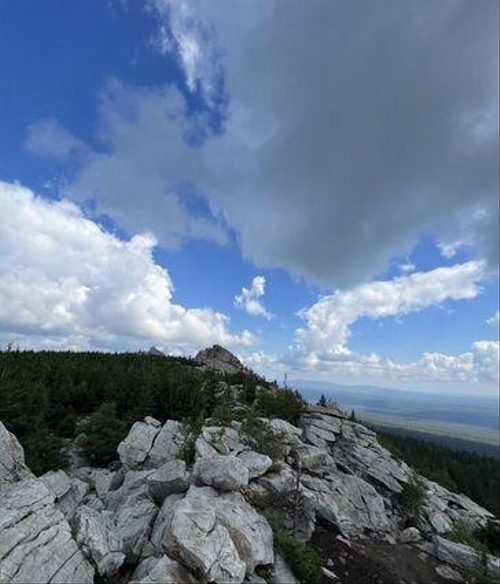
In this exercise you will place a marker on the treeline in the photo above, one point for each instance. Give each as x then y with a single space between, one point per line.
47 397
476 476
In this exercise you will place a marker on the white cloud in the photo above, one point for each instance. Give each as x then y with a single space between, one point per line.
47 138
182 33
495 319
321 348
250 298
65 281
310 166
304 172
329 320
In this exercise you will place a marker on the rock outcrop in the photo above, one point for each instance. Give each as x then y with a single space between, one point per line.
219 359
154 518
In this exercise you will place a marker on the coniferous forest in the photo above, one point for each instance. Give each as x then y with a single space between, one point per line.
47 398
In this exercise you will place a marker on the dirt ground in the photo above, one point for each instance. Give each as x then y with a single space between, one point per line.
373 563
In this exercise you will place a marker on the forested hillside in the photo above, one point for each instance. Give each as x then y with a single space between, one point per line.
476 476
44 395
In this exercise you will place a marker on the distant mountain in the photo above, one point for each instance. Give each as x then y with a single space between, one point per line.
408 406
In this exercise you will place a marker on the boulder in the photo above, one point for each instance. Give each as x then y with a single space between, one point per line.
312 458
136 446
162 571
250 531
57 481
161 526
12 465
219 359
225 473
167 445
448 573
96 535
286 432
460 556
170 478
281 573
348 502
36 545
257 464
219 440
410 535
133 513
198 541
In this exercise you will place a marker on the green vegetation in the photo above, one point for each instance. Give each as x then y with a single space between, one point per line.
46 397
103 432
257 434
462 533
476 476
285 404
412 498
301 557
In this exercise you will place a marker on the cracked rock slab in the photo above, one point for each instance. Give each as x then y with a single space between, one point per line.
36 545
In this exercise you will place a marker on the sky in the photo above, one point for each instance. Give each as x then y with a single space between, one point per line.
313 185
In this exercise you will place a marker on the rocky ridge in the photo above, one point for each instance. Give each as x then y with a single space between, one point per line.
159 518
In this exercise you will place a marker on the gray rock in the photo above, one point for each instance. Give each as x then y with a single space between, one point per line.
220 440
410 535
170 478
95 533
225 473
133 513
349 503
167 445
36 545
68 492
198 541
286 432
449 573
281 573
460 556
12 465
70 501
101 480
57 481
161 526
250 532
257 464
219 359
312 458
136 446
162 571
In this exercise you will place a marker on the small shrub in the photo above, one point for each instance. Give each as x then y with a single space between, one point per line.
462 533
222 414
302 558
281 403
104 431
260 437
412 498
193 430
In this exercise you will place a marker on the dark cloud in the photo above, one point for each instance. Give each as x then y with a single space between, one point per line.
351 129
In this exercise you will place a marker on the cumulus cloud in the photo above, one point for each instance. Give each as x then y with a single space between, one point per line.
329 320
143 175
322 345
345 129
305 170
66 282
250 298
495 319
48 139
180 32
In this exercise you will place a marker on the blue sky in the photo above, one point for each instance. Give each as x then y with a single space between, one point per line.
315 190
